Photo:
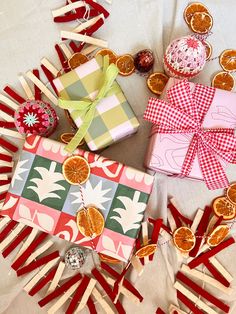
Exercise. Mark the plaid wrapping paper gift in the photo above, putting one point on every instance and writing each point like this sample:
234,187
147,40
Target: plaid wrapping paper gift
113,119
40,197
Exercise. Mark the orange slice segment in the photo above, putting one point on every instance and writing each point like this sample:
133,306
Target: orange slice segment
193,8
125,65
201,22
218,235
108,259
184,239
90,222
76,170
76,60
208,49
223,207
70,120
223,80
231,193
146,250
112,56
228,60
156,82
67,137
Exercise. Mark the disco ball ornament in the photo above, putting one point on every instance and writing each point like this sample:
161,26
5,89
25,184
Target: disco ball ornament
36,117
75,258
185,57
144,60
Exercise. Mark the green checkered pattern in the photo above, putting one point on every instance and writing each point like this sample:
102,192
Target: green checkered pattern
116,119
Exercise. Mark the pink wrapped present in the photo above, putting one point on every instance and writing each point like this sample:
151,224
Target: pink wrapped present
193,132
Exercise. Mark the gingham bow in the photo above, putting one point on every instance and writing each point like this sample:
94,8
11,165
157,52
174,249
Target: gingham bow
184,112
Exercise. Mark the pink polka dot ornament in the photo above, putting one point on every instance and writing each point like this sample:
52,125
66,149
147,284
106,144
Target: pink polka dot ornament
185,57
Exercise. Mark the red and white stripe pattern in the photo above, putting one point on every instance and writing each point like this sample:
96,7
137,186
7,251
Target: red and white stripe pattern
91,16
189,293
36,254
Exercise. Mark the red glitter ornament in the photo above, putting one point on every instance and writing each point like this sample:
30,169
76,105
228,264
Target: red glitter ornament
144,60
36,117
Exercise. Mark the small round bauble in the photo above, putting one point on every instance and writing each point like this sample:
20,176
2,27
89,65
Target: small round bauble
144,60
75,258
36,117
185,57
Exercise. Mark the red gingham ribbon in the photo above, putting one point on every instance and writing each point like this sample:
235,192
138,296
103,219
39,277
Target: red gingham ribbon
184,112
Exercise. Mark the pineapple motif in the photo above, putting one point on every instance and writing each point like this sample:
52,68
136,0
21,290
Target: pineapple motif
127,211
92,195
19,170
46,184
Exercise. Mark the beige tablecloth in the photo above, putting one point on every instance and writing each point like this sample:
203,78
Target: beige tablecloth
27,33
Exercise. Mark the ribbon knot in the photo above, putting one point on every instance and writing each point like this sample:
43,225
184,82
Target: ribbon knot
184,112
86,107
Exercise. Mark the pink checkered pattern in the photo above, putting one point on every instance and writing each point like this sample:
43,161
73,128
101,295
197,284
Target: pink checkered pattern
184,112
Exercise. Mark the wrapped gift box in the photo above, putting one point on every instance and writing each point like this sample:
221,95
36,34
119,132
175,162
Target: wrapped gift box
166,152
40,197
114,119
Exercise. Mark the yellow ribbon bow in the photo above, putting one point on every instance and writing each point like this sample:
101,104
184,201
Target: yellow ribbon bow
86,107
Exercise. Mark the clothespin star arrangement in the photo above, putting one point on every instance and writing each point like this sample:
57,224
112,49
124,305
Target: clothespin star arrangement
66,189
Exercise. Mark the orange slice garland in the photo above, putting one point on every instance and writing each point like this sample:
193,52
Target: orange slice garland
228,60
184,239
223,207
76,60
208,49
223,80
193,8
67,137
231,193
125,64
218,235
201,22
90,222
146,250
112,56
76,170
156,82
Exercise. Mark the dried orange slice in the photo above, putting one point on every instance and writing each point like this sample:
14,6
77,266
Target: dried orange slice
108,259
193,8
90,222
201,22
228,60
76,60
231,193
156,82
125,65
218,235
70,120
208,49
223,80
76,170
111,54
67,137
146,250
184,239
223,207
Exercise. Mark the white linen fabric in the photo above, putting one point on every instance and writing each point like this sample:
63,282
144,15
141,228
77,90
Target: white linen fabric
27,34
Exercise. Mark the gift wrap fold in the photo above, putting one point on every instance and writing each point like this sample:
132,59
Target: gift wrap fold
40,197
193,133
96,104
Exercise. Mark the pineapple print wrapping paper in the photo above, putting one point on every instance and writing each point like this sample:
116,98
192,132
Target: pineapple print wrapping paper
40,197
114,119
